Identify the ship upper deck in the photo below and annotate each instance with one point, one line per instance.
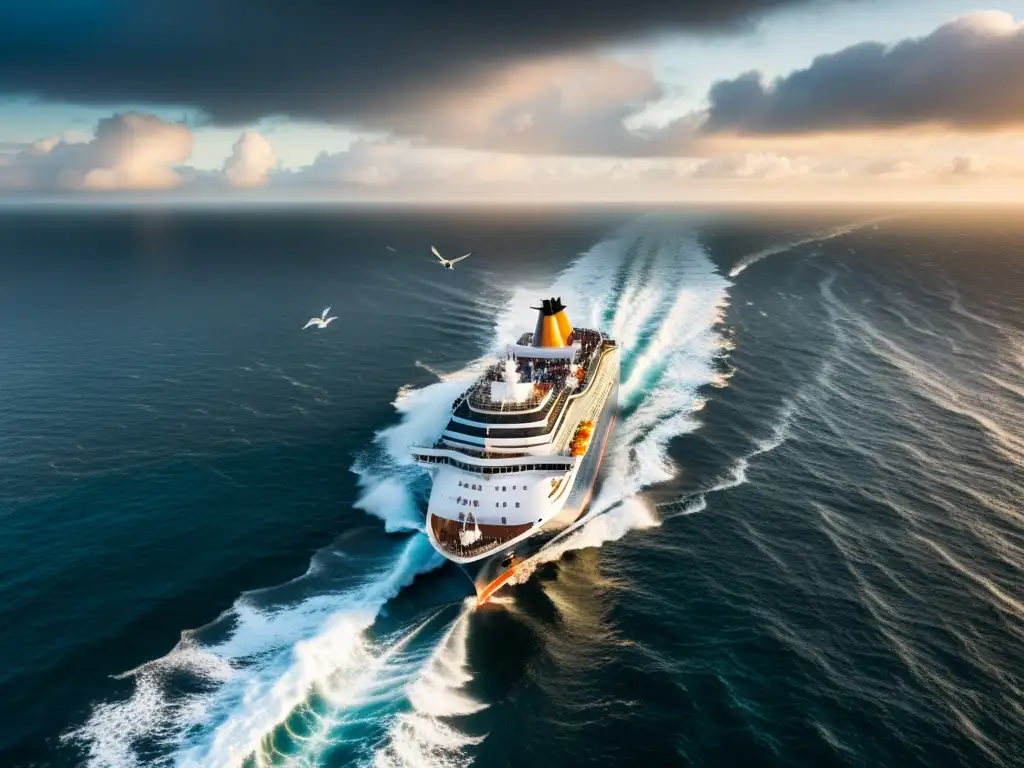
(518, 412)
(548, 377)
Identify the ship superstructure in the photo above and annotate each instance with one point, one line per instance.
(516, 464)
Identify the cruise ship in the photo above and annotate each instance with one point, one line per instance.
(515, 467)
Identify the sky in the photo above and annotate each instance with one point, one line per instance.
(716, 100)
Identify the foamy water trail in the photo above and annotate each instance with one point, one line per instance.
(753, 258)
(249, 682)
(421, 736)
(275, 655)
(671, 350)
(779, 434)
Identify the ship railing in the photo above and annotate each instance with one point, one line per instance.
(482, 545)
(529, 463)
(480, 400)
(443, 445)
(479, 397)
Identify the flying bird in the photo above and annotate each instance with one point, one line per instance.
(449, 263)
(320, 322)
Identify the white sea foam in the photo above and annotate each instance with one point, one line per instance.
(387, 475)
(265, 668)
(422, 736)
(272, 658)
(753, 258)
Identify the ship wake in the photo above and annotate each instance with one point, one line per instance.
(289, 673)
(658, 294)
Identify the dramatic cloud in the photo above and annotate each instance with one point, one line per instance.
(239, 60)
(128, 151)
(966, 74)
(251, 159)
(570, 105)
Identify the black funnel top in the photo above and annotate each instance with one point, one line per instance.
(550, 306)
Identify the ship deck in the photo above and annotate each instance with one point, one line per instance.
(549, 389)
(446, 534)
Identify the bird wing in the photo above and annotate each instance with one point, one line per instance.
(328, 321)
(462, 257)
(324, 313)
(436, 253)
(312, 321)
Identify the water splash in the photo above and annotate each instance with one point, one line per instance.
(421, 736)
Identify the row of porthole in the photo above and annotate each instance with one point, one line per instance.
(476, 503)
(475, 487)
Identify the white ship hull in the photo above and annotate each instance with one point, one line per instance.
(517, 464)
(495, 570)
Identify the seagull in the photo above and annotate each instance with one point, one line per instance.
(449, 263)
(320, 322)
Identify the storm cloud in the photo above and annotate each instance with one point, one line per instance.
(968, 74)
(239, 60)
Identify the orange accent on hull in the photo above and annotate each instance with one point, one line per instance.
(494, 586)
(604, 448)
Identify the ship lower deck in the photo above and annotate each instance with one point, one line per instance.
(489, 574)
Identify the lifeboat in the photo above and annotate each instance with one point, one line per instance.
(581, 441)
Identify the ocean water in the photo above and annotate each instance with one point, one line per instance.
(812, 528)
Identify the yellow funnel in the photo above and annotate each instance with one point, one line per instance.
(551, 334)
(553, 326)
(564, 326)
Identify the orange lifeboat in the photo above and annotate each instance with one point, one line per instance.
(581, 441)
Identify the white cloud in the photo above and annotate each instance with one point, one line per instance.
(129, 150)
(252, 158)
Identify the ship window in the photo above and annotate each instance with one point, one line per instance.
(504, 503)
(462, 516)
(477, 503)
(458, 500)
(517, 505)
(504, 521)
(497, 504)
(503, 489)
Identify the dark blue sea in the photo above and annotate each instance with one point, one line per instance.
(808, 539)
